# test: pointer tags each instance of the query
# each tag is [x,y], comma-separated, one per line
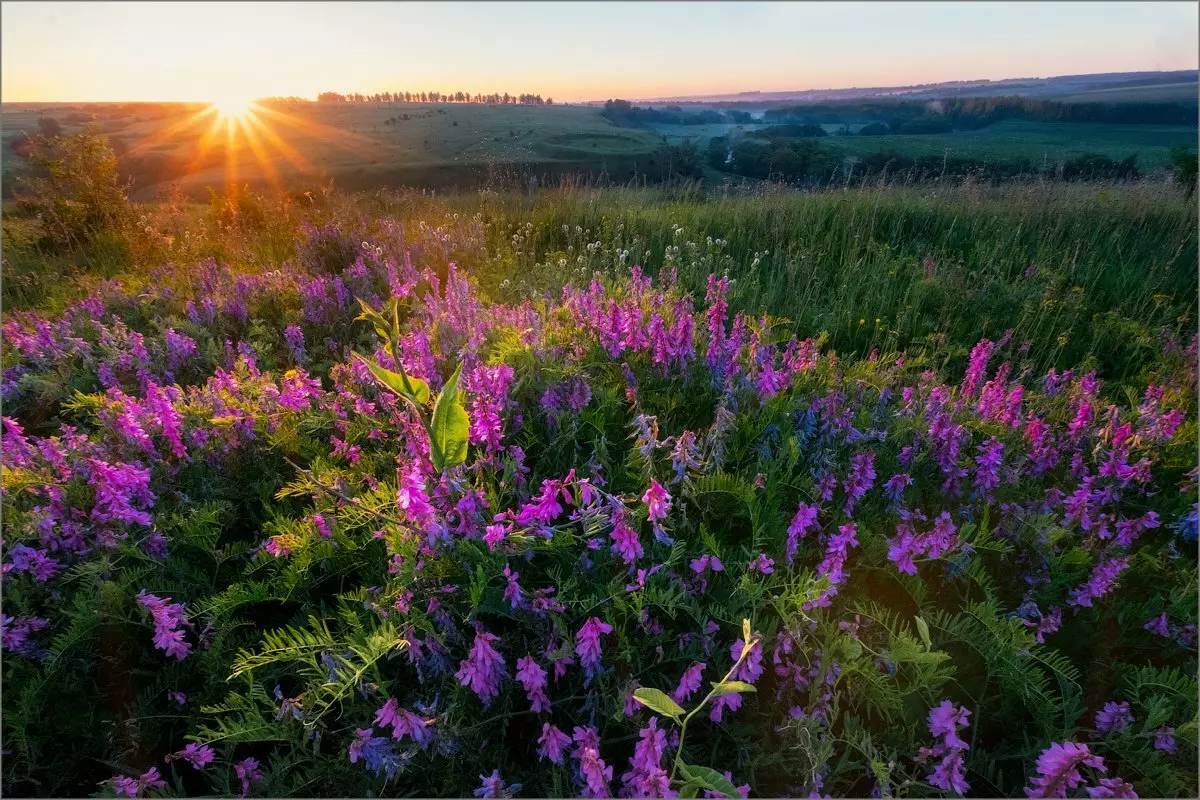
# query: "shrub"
[72,185]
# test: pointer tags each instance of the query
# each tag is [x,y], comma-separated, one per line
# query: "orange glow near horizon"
[243,129]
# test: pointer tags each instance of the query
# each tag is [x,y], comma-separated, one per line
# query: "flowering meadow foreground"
[358,530]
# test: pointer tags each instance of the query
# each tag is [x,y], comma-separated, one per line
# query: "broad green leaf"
[731,687]
[395,381]
[689,790]
[450,427]
[657,701]
[923,631]
[708,778]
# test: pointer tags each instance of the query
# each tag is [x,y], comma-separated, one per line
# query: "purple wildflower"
[533,679]
[483,670]
[551,743]
[198,755]
[587,645]
[1058,769]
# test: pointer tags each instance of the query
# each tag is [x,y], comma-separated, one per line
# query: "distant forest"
[434,97]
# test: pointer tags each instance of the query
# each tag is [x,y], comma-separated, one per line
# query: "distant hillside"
[1114,83]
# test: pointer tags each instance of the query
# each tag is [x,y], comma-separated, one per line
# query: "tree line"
[972,113]
[496,98]
[627,115]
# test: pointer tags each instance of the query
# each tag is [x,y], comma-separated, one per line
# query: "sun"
[234,106]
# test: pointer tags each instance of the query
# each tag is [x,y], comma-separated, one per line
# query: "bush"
[1183,167]
[72,186]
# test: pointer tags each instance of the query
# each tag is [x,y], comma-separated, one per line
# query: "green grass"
[1115,264]
[357,145]
[1038,141]
[363,146]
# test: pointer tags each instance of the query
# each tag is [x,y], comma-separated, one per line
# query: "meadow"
[450,146]
[601,491]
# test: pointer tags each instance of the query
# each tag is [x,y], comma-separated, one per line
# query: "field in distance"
[357,145]
[295,146]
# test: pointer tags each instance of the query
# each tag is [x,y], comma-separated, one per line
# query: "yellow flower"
[861,321]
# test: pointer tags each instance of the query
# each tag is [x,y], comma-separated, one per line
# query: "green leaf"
[731,687]
[394,381]
[923,631]
[853,648]
[449,428]
[708,778]
[659,702]
[376,319]
[689,790]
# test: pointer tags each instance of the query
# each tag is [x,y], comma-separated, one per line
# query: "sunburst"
[243,126]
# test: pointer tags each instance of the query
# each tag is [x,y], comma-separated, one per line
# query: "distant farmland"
[366,145]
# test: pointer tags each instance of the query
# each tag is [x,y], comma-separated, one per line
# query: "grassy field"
[1037,141]
[363,146]
[356,145]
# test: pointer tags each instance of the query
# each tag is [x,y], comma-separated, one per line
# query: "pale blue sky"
[571,51]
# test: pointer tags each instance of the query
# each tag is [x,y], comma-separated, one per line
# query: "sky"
[97,51]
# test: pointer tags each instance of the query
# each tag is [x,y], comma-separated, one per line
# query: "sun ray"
[231,164]
[290,154]
[261,157]
[170,131]
[355,143]
[206,143]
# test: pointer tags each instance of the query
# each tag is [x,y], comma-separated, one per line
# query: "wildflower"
[595,772]
[404,722]
[493,786]
[483,671]
[587,645]
[1100,583]
[761,564]
[493,535]
[625,543]
[987,469]
[1164,739]
[895,485]
[533,679]
[1159,625]
[375,752]
[512,589]
[1049,624]
[689,682]
[658,504]
[804,520]
[248,772]
[832,566]
[1058,769]
[412,499]
[860,479]
[130,787]
[705,562]
[551,743]
[1111,787]
[646,777]
[1113,718]
[198,755]
[168,617]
